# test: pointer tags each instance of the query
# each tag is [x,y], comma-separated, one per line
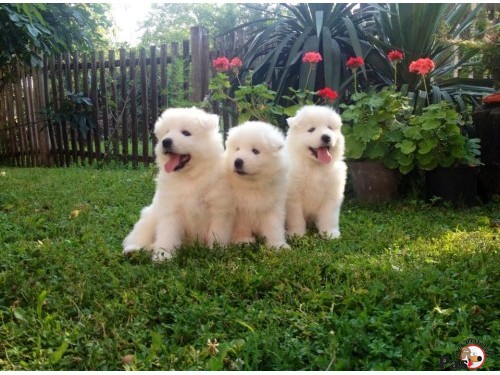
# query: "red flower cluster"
[312,57]
[395,56]
[222,64]
[236,64]
[355,62]
[421,66]
[327,94]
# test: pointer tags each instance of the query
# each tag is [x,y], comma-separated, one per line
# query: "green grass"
[406,284]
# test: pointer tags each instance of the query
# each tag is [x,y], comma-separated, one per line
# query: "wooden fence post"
[199,62]
[42,126]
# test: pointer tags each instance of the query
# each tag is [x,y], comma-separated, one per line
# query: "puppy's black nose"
[325,138]
[167,143]
[238,163]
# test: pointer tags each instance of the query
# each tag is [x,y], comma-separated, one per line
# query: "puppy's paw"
[131,248]
[243,240]
[279,246]
[331,234]
[161,255]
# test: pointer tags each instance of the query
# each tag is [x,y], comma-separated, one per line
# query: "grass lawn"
[406,284]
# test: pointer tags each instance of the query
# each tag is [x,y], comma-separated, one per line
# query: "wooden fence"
[128,90]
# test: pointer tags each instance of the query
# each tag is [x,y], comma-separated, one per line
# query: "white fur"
[316,190]
[259,195]
[192,203]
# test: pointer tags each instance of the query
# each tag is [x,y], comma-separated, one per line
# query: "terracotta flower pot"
[373,182]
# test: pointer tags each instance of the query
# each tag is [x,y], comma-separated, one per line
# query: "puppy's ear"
[160,125]
[275,142]
[336,120]
[291,121]
[210,121]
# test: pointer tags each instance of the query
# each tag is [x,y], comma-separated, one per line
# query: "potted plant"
[373,125]
[435,142]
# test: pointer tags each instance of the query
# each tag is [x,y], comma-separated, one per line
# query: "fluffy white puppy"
[257,168]
[192,198]
[318,172]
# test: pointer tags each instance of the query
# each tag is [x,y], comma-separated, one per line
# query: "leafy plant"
[373,125]
[31,29]
[75,110]
[256,102]
[435,138]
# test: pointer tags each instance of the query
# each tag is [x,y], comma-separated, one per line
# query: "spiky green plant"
[424,30]
[275,51]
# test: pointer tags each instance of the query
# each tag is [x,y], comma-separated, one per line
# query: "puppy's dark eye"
[255,151]
[186,133]
[311,130]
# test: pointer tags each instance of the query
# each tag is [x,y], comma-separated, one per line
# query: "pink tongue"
[324,156]
[173,162]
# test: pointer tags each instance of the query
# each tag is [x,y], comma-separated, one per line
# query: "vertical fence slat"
[154,91]
[185,69]
[46,98]
[69,87]
[104,99]
[41,125]
[124,101]
[62,98]
[199,63]
[163,77]
[56,104]
[133,110]
[3,151]
[21,119]
[12,129]
[22,114]
[80,135]
[95,106]
[144,108]
[30,99]
[85,86]
[114,100]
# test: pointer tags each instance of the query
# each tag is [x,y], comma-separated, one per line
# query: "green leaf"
[58,354]
[427,145]
[431,124]
[376,150]
[39,303]
[354,148]
[33,31]
[292,110]
[367,131]
[406,146]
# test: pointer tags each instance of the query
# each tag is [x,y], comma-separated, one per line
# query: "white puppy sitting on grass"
[192,198]
[257,168]
[318,172]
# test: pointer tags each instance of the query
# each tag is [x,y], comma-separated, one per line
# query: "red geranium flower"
[395,56]
[355,62]
[327,94]
[221,64]
[421,66]
[312,57]
[236,63]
